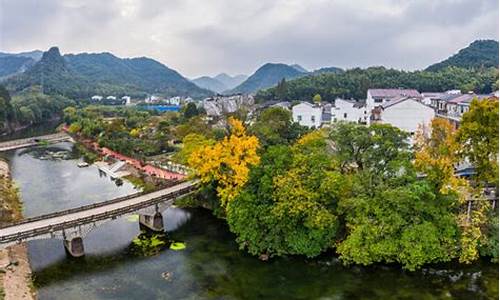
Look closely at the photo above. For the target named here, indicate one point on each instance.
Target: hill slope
(83, 75)
(210, 83)
(231, 81)
(143, 74)
(267, 76)
(480, 53)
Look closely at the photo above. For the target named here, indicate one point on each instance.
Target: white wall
(345, 111)
(307, 115)
(407, 115)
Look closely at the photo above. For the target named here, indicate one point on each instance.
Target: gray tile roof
(390, 93)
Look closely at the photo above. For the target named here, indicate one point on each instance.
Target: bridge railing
(75, 210)
(96, 217)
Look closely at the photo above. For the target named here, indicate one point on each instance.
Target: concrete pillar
(74, 247)
(151, 222)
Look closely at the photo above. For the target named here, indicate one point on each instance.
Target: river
(211, 266)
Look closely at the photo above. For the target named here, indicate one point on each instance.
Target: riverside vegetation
(362, 191)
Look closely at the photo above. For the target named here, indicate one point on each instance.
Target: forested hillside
(267, 76)
(480, 53)
(355, 82)
(83, 75)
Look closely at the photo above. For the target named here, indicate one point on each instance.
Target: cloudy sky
(205, 37)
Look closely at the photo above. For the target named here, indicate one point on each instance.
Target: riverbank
(15, 270)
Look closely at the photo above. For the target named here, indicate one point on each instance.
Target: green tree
(317, 99)
(478, 135)
(406, 224)
(274, 126)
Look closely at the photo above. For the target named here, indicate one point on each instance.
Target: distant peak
(54, 50)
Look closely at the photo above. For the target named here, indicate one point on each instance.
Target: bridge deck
(73, 217)
(32, 141)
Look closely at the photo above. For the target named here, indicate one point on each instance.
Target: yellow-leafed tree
(227, 162)
(437, 153)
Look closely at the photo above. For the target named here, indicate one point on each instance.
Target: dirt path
(17, 277)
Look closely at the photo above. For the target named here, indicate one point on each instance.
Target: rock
(264, 257)
(167, 276)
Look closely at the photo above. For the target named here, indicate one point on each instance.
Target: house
(126, 100)
(111, 98)
(431, 99)
(459, 105)
(405, 113)
(350, 111)
(377, 97)
(307, 114)
(97, 98)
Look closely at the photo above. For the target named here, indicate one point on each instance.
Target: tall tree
(227, 162)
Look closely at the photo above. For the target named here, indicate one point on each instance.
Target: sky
(206, 37)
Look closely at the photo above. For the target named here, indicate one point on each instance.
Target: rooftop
(390, 93)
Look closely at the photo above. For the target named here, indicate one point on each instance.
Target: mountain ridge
(480, 53)
(84, 74)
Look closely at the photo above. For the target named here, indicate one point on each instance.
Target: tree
(274, 126)
(436, 155)
(378, 155)
(227, 162)
(190, 110)
(289, 204)
(478, 135)
(190, 143)
(407, 224)
(317, 99)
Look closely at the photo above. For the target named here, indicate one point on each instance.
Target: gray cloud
(207, 37)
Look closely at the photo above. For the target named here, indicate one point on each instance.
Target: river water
(211, 266)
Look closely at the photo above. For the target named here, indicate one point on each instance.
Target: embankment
(15, 270)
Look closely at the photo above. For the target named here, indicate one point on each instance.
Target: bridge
(33, 141)
(74, 224)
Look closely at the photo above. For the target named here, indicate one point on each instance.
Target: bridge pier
(74, 246)
(152, 222)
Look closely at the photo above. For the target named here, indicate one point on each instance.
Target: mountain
(267, 76)
(36, 55)
(219, 83)
(480, 53)
(15, 63)
(231, 81)
(210, 83)
(141, 73)
(11, 65)
(326, 70)
(83, 75)
(52, 73)
(299, 68)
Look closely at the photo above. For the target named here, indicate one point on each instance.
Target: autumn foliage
(227, 162)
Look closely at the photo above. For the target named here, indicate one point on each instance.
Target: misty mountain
(210, 83)
(82, 75)
(267, 76)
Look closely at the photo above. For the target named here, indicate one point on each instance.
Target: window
(378, 100)
(345, 115)
(313, 119)
(299, 118)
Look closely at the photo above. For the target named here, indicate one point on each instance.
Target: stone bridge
(33, 141)
(74, 224)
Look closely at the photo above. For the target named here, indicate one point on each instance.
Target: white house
(96, 98)
(350, 111)
(127, 100)
(110, 98)
(307, 114)
(407, 114)
(377, 97)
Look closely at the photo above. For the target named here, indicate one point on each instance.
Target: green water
(211, 266)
